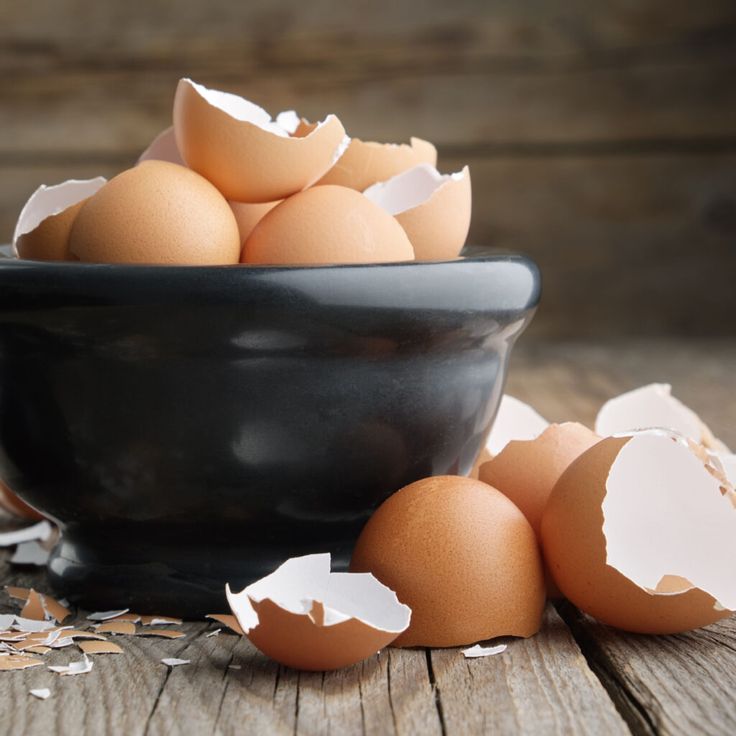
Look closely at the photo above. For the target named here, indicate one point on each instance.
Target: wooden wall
(601, 135)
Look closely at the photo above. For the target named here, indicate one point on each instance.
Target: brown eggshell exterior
(438, 228)
(295, 641)
(15, 506)
(461, 556)
(156, 212)
(50, 240)
(365, 163)
(249, 215)
(327, 224)
(245, 162)
(483, 457)
(575, 551)
(526, 471)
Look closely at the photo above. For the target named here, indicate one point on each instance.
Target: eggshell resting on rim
(44, 224)
(433, 209)
(461, 556)
(247, 156)
(526, 470)
(327, 224)
(163, 148)
(365, 163)
(306, 617)
(654, 405)
(156, 212)
(634, 530)
(249, 215)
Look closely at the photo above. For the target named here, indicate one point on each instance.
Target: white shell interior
(515, 420)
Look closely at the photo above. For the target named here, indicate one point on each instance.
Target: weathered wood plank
(538, 685)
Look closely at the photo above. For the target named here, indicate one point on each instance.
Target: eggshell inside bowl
(461, 556)
(156, 212)
(248, 157)
(327, 224)
(249, 215)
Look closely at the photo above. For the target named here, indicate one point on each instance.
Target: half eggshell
(639, 534)
(306, 617)
(245, 154)
(514, 420)
(45, 222)
(365, 163)
(434, 209)
(163, 148)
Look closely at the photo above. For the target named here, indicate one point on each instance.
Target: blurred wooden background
(601, 136)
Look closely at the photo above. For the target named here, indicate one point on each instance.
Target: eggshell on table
(306, 617)
(246, 155)
(433, 209)
(44, 224)
(461, 556)
(327, 224)
(638, 534)
(156, 212)
(364, 162)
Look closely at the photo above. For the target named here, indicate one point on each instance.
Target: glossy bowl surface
(191, 426)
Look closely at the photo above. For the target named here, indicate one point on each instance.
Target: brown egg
(461, 556)
(526, 470)
(575, 550)
(156, 212)
(249, 215)
(433, 209)
(50, 240)
(327, 224)
(364, 163)
(246, 155)
(15, 505)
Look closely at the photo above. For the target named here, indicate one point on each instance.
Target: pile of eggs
(226, 184)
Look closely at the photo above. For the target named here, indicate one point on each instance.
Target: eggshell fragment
(163, 148)
(514, 420)
(44, 224)
(304, 616)
(327, 224)
(365, 163)
(638, 533)
(246, 155)
(461, 555)
(156, 212)
(526, 470)
(14, 505)
(653, 406)
(433, 209)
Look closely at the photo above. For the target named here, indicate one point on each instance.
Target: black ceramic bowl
(189, 426)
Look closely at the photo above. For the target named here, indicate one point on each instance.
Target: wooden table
(575, 676)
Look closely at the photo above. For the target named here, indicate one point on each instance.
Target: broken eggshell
(365, 163)
(639, 534)
(44, 224)
(514, 420)
(654, 405)
(434, 209)
(306, 617)
(163, 148)
(246, 155)
(14, 505)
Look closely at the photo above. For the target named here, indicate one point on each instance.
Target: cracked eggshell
(461, 556)
(44, 224)
(156, 212)
(638, 534)
(526, 470)
(15, 505)
(327, 224)
(514, 420)
(654, 405)
(365, 163)
(433, 209)
(163, 148)
(306, 617)
(247, 156)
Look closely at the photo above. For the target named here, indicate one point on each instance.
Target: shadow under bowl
(189, 426)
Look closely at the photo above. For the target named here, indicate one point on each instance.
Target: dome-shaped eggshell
(156, 212)
(246, 162)
(327, 224)
(364, 162)
(575, 551)
(461, 556)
